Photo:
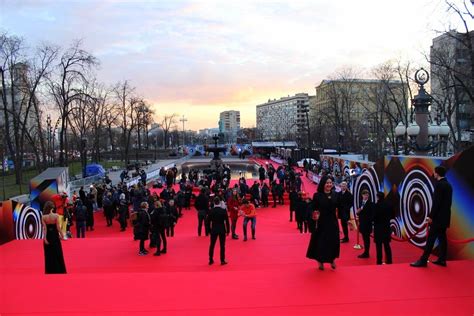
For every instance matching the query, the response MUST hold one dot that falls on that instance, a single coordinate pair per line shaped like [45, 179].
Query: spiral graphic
[396, 228]
[416, 192]
[347, 168]
[368, 180]
[27, 222]
[336, 168]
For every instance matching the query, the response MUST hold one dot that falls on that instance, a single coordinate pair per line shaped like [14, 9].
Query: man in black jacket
[366, 218]
[202, 207]
[439, 219]
[382, 232]
[345, 201]
[219, 226]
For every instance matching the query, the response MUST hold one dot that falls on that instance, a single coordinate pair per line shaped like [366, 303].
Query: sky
[198, 58]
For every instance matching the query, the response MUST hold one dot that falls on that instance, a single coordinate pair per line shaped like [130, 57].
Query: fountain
[216, 163]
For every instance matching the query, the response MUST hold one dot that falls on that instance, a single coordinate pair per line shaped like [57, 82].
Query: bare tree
[388, 102]
[73, 71]
[452, 68]
[128, 104]
[20, 104]
[168, 122]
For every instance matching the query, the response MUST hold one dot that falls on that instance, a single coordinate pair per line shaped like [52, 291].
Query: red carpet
[267, 276]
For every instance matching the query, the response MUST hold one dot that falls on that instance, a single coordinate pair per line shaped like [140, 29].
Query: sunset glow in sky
[199, 58]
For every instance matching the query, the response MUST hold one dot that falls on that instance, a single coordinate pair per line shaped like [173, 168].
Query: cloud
[198, 56]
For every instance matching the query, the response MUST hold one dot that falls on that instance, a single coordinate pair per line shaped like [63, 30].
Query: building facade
[284, 118]
[350, 114]
[229, 125]
[452, 86]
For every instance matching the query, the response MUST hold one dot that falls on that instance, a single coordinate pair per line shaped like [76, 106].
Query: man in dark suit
[438, 220]
[382, 232]
[345, 201]
[366, 218]
[218, 221]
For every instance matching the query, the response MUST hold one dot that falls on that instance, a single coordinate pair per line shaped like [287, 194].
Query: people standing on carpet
[233, 205]
[324, 245]
[438, 220]
[108, 206]
[172, 212]
[270, 173]
[255, 193]
[293, 196]
[53, 252]
[302, 208]
[81, 217]
[90, 212]
[250, 215]
[202, 207]
[382, 231]
[365, 213]
[265, 191]
[159, 223]
[261, 174]
[218, 221]
[123, 211]
[143, 222]
[346, 200]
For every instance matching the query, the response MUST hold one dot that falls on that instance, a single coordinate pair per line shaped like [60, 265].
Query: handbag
[315, 216]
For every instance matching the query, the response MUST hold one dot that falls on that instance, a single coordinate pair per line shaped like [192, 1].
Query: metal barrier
[154, 174]
[76, 184]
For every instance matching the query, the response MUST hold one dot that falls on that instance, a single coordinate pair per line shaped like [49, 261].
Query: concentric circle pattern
[27, 223]
[416, 192]
[368, 180]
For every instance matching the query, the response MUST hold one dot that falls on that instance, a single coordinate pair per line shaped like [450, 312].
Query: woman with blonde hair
[53, 252]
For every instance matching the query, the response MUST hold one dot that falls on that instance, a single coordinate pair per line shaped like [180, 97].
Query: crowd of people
[219, 206]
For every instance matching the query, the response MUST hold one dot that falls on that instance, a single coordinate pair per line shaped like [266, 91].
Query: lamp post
[48, 131]
[341, 140]
[84, 155]
[422, 135]
[183, 119]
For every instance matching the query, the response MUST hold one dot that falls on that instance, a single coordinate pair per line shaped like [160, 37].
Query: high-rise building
[283, 119]
[452, 86]
[229, 124]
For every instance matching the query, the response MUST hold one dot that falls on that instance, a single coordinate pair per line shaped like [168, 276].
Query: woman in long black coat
[324, 244]
[143, 227]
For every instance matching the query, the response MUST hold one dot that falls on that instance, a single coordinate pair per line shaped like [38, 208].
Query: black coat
[324, 245]
[218, 221]
[202, 204]
[346, 201]
[382, 217]
[142, 228]
[366, 217]
[442, 199]
[301, 209]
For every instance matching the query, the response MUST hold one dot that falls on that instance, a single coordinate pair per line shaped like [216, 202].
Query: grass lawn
[9, 189]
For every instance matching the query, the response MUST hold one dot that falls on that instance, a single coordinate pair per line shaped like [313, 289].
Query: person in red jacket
[233, 205]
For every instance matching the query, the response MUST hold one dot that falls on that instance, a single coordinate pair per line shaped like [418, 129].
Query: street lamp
[341, 140]
[183, 119]
[422, 137]
[49, 133]
[84, 155]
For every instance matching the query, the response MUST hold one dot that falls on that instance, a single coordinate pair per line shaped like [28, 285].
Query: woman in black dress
[324, 244]
[53, 252]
